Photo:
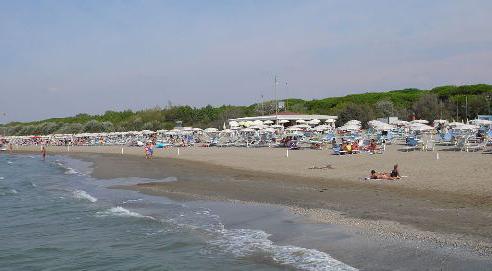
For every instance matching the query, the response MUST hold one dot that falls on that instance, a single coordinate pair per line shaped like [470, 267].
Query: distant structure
[484, 117]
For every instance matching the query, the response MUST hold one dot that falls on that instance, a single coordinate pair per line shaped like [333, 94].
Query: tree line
[445, 102]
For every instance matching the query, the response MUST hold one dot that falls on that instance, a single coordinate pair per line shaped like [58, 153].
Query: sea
[55, 216]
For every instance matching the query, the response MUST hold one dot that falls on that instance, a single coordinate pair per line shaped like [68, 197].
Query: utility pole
[457, 110]
[287, 93]
[488, 97]
[466, 108]
[276, 100]
[262, 105]
[4, 127]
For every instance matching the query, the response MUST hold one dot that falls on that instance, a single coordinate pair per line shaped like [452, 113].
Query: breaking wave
[81, 194]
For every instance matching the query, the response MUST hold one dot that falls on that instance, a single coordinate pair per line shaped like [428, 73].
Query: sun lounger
[412, 144]
[338, 151]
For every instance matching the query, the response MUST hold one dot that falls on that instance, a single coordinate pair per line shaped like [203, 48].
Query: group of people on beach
[393, 175]
[353, 147]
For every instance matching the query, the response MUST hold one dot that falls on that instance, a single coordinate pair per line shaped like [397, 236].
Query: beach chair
[412, 144]
[447, 139]
[338, 151]
[460, 144]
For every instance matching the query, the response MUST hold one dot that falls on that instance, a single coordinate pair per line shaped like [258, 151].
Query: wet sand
[446, 201]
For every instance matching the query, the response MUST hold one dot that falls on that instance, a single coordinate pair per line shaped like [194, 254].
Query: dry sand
[447, 200]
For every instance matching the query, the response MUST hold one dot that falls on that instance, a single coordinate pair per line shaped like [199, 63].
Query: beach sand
[447, 201]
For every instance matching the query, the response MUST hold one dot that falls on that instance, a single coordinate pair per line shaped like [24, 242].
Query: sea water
[55, 216]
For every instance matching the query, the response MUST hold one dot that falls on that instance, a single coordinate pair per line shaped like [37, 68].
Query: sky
[60, 58]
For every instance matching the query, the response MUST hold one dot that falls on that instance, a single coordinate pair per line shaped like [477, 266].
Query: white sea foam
[9, 162]
[131, 200]
[2, 178]
[71, 171]
[81, 194]
[13, 191]
[246, 242]
[120, 211]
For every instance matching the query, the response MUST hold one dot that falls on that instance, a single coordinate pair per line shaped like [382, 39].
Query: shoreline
[384, 210]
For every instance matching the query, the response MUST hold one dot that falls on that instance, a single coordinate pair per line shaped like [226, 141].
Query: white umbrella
[269, 130]
[356, 122]
[466, 127]
[276, 126]
[455, 123]
[420, 121]
[247, 130]
[349, 127]
[293, 128]
[330, 121]
[322, 127]
[314, 121]
[233, 123]
[283, 121]
[481, 122]
[211, 130]
[300, 121]
[420, 127]
[268, 122]
[256, 127]
[302, 126]
[248, 123]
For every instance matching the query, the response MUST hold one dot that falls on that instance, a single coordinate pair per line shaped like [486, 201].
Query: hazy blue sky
[59, 58]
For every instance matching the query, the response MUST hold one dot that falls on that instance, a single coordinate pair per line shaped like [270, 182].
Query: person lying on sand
[381, 176]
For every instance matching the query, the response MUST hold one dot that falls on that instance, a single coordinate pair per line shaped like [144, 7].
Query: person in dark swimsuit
[395, 173]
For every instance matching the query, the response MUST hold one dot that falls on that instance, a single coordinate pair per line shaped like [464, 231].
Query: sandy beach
[445, 200]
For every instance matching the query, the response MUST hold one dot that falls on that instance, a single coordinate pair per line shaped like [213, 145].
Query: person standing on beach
[43, 152]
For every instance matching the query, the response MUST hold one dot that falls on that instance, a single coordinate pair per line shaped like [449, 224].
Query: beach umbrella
[197, 129]
[455, 123]
[256, 127]
[294, 128]
[420, 121]
[211, 130]
[302, 126]
[269, 130]
[233, 123]
[349, 127]
[467, 127]
[283, 121]
[247, 130]
[276, 126]
[330, 121]
[420, 127]
[268, 122]
[314, 121]
[257, 122]
[300, 121]
[481, 122]
[248, 123]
